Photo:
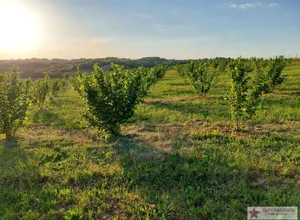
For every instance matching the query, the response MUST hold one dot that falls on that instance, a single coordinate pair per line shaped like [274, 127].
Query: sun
[19, 28]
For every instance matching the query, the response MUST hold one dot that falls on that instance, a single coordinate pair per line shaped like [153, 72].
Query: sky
[177, 29]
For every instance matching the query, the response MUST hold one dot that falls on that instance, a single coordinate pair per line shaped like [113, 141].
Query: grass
[178, 158]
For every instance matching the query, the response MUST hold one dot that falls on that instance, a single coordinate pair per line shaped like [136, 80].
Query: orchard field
[178, 157]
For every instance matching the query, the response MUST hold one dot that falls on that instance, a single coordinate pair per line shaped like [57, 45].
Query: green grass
[178, 158]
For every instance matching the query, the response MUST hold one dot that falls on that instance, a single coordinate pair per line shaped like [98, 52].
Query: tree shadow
[26, 190]
[48, 118]
[204, 109]
[18, 176]
[194, 186]
[15, 163]
[171, 92]
[57, 102]
[295, 93]
[269, 102]
[179, 84]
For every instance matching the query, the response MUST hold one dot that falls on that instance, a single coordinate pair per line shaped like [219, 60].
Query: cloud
[273, 4]
[253, 5]
[245, 6]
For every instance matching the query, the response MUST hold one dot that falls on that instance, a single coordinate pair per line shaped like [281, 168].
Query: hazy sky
[171, 29]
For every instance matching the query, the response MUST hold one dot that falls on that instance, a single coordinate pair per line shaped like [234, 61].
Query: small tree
[199, 76]
[273, 73]
[150, 76]
[239, 87]
[260, 79]
[13, 102]
[40, 90]
[160, 71]
[180, 69]
[222, 65]
[111, 97]
[76, 83]
[244, 96]
[64, 82]
[55, 85]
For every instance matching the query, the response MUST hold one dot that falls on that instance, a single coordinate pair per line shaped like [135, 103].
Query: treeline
[59, 68]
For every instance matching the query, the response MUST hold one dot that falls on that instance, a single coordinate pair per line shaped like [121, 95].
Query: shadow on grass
[208, 182]
[22, 184]
[196, 179]
[63, 102]
[270, 102]
[17, 171]
[204, 109]
[179, 84]
[47, 117]
[57, 102]
[186, 187]
[295, 93]
[171, 93]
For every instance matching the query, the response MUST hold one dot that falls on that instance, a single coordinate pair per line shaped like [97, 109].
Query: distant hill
[37, 68]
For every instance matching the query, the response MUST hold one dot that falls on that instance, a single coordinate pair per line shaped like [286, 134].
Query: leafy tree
[13, 102]
[76, 84]
[40, 90]
[222, 65]
[111, 97]
[64, 82]
[239, 87]
[273, 73]
[199, 76]
[268, 73]
[55, 85]
[160, 71]
[180, 69]
[244, 95]
[259, 80]
[150, 76]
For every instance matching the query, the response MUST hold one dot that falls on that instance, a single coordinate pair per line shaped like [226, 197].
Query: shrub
[39, 91]
[13, 102]
[150, 76]
[244, 96]
[273, 73]
[76, 84]
[269, 72]
[199, 76]
[180, 69]
[55, 85]
[111, 97]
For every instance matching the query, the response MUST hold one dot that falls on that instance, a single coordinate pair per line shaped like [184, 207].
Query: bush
[244, 96]
[273, 73]
[39, 91]
[55, 85]
[76, 84]
[111, 97]
[150, 76]
[269, 72]
[13, 102]
[180, 69]
[198, 75]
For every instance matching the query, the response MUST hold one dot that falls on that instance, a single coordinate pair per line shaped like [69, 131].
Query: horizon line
[89, 58]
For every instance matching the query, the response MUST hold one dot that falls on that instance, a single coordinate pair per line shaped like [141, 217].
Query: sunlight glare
[19, 29]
